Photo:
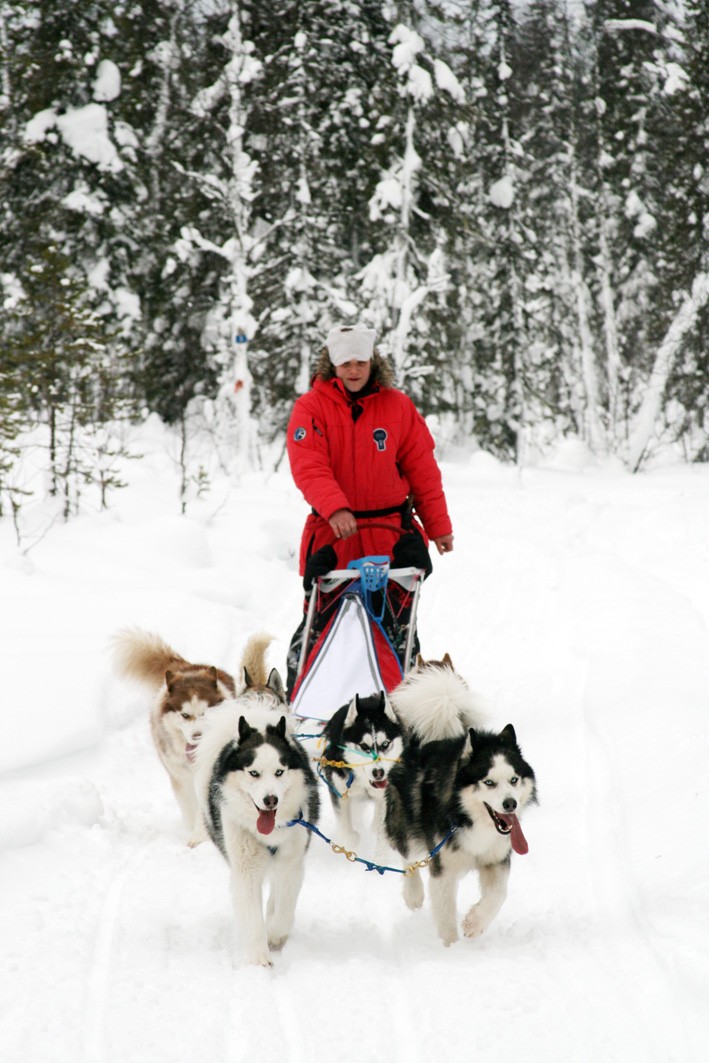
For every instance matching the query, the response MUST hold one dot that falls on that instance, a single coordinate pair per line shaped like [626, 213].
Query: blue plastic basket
[373, 576]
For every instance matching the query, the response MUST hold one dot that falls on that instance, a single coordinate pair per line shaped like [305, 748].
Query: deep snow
[576, 603]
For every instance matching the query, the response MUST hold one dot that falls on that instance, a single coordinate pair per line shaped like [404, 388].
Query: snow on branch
[614, 25]
[416, 80]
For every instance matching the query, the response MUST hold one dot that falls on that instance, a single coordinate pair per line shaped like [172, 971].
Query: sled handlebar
[365, 524]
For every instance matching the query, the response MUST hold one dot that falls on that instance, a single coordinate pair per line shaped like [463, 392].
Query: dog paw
[474, 925]
[413, 892]
[448, 937]
[275, 944]
[259, 958]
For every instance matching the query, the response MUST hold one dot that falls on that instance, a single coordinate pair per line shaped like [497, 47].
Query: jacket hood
[382, 373]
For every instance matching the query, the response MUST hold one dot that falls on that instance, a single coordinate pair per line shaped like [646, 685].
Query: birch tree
[646, 419]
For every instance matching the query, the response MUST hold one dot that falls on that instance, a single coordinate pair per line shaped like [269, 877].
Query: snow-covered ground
[576, 604]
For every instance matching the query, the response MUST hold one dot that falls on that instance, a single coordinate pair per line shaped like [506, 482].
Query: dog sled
[358, 635]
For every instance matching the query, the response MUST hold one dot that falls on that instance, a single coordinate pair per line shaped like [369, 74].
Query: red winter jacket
[372, 462]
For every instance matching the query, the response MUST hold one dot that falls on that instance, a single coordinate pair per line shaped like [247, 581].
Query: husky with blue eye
[255, 784]
[459, 787]
[363, 740]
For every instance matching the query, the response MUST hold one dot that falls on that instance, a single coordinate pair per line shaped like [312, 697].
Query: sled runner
[358, 635]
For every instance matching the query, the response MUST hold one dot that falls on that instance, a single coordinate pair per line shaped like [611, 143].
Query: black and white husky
[363, 742]
[254, 780]
[458, 782]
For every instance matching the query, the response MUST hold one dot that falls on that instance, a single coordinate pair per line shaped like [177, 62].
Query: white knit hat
[347, 342]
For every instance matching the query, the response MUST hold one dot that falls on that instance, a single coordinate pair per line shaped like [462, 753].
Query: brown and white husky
[184, 693]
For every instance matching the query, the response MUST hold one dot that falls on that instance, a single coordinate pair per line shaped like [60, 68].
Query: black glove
[410, 551]
[322, 561]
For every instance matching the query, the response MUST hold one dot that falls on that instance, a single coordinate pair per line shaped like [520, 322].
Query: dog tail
[144, 656]
[436, 703]
[253, 660]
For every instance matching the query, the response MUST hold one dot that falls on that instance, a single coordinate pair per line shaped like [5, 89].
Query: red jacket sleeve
[419, 466]
[309, 456]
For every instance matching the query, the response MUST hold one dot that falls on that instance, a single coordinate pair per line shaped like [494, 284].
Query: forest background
[515, 195]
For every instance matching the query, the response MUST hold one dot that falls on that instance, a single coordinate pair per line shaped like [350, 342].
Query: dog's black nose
[270, 801]
[378, 773]
[509, 804]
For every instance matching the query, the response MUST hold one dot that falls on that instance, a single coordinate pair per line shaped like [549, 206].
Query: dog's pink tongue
[266, 820]
[517, 838]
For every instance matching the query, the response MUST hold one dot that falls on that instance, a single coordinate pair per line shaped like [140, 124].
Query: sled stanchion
[410, 633]
[306, 632]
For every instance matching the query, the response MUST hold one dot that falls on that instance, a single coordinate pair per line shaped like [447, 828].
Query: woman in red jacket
[359, 450]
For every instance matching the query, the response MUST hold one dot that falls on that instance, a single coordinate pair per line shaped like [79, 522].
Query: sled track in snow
[99, 976]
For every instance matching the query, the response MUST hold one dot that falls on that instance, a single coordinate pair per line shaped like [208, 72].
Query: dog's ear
[214, 677]
[275, 684]
[169, 681]
[352, 711]
[420, 663]
[387, 709]
[508, 736]
[244, 729]
[447, 662]
[248, 682]
[470, 742]
[278, 729]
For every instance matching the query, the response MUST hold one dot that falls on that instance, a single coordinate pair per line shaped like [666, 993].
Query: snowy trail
[577, 606]
[164, 924]
[101, 971]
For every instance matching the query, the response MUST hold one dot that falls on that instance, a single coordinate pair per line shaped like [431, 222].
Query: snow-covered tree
[560, 373]
[407, 279]
[684, 235]
[59, 354]
[319, 126]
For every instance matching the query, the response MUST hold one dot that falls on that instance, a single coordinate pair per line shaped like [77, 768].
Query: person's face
[354, 374]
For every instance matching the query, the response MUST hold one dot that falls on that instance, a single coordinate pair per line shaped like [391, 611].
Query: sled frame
[344, 580]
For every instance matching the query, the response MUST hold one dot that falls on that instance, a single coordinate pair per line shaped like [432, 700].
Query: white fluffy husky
[253, 780]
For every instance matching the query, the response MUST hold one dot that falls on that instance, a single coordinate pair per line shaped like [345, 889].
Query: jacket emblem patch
[379, 436]
[300, 433]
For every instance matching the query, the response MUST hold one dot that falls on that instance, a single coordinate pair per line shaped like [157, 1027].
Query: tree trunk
[684, 320]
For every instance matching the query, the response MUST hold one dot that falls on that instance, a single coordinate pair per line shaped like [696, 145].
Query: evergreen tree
[58, 352]
[561, 380]
[506, 239]
[634, 156]
[684, 235]
[473, 383]
[407, 281]
[170, 53]
[318, 127]
[517, 201]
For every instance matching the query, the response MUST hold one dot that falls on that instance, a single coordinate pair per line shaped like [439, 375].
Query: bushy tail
[253, 660]
[144, 656]
[436, 703]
